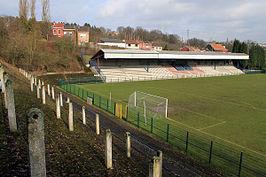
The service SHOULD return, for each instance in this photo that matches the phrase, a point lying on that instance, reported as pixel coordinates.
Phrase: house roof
(83, 29)
(59, 25)
(190, 48)
(168, 55)
(133, 42)
(218, 47)
(112, 40)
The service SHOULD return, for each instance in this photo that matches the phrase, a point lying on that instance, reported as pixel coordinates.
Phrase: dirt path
(174, 162)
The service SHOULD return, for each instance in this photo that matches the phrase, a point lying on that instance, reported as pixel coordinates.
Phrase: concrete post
(128, 144)
(36, 143)
(70, 117)
(84, 115)
(2, 71)
(108, 149)
(11, 106)
(35, 81)
(5, 78)
(68, 100)
(43, 95)
(39, 82)
(61, 98)
(53, 93)
(97, 124)
(58, 113)
(154, 170)
(89, 100)
(42, 83)
(160, 155)
(38, 91)
(48, 90)
(31, 84)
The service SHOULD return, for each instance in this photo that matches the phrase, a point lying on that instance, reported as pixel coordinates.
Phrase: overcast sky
(205, 19)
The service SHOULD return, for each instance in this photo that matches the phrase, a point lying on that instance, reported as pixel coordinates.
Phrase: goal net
(148, 105)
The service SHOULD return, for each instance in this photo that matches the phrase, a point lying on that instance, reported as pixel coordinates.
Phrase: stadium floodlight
(148, 104)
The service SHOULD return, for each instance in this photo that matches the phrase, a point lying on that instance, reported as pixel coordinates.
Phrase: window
(59, 31)
(82, 35)
(54, 31)
(136, 45)
(129, 45)
(70, 33)
(65, 33)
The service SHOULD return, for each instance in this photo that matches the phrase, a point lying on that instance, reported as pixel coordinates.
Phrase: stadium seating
(119, 71)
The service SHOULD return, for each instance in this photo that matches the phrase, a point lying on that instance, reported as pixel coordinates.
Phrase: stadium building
(134, 65)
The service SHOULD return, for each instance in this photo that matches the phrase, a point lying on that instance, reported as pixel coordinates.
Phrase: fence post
(68, 100)
(108, 149)
(10, 105)
(70, 90)
(127, 114)
(82, 93)
(53, 93)
(35, 81)
(107, 105)
(93, 98)
(138, 119)
(154, 167)
(43, 95)
(58, 113)
(70, 117)
(167, 134)
(78, 91)
(152, 125)
(210, 157)
(128, 144)
(31, 84)
(87, 94)
(187, 142)
(114, 108)
(100, 101)
(38, 91)
(2, 78)
(240, 164)
(160, 155)
(48, 89)
(84, 115)
(97, 121)
(61, 99)
(36, 142)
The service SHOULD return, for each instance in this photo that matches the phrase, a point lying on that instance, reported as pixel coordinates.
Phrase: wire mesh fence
(232, 159)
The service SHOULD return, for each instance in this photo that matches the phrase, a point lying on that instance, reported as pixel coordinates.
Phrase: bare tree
(23, 8)
(46, 10)
(32, 8)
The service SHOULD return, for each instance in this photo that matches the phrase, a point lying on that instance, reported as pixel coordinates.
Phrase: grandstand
(135, 65)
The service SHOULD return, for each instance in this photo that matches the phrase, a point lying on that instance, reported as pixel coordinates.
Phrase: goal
(148, 105)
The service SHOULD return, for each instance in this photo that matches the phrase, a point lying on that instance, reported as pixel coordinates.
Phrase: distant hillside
(24, 43)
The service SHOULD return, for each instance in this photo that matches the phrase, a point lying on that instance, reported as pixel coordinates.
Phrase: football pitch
(230, 108)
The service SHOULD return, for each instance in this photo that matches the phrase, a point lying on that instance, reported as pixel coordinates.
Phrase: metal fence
(230, 158)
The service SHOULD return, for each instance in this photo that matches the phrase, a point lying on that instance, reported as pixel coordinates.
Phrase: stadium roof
(167, 55)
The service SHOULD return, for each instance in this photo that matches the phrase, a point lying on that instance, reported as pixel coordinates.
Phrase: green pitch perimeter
(229, 108)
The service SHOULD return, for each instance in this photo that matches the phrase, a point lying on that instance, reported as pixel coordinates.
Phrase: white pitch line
(211, 126)
(218, 137)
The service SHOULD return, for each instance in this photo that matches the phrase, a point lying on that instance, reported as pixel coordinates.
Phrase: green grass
(230, 110)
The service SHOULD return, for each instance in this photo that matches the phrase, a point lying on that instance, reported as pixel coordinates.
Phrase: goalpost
(148, 104)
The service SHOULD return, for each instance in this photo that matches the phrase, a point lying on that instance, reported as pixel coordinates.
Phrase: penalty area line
(214, 125)
(230, 142)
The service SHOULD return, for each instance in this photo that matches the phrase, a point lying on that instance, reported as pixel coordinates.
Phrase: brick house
(216, 48)
(83, 35)
(58, 29)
